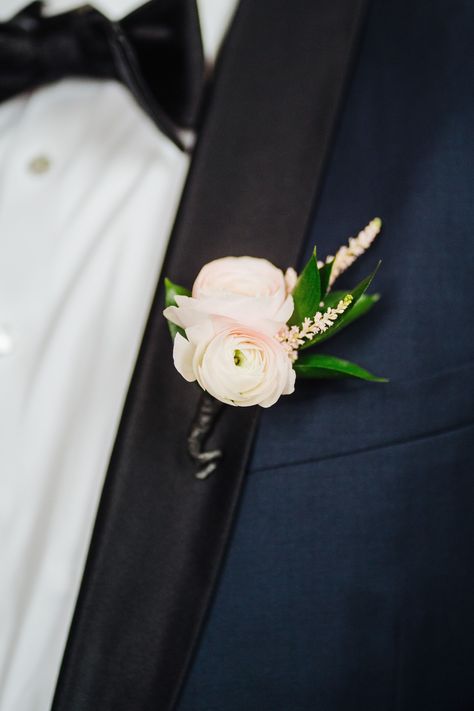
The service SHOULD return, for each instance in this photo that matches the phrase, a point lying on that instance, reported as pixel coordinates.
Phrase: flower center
(238, 358)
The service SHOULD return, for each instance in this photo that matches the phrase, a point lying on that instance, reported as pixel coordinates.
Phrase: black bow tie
(156, 52)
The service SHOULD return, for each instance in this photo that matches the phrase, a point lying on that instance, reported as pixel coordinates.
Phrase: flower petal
(183, 352)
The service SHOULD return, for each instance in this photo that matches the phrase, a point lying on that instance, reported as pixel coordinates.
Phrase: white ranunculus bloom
(235, 364)
(246, 289)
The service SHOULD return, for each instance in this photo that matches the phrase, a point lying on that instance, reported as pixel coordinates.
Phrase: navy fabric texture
(349, 579)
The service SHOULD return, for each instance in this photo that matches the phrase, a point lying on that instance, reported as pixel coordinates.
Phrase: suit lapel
(160, 533)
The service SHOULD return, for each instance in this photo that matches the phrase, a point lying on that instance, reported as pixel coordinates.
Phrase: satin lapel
(160, 533)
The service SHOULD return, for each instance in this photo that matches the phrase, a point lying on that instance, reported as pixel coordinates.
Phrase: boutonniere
(247, 330)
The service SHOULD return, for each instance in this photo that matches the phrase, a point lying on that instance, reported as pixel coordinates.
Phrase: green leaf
(318, 365)
(325, 275)
(356, 294)
(307, 292)
(171, 292)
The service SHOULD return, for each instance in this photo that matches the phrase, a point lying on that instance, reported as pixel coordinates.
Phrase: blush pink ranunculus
(243, 276)
(236, 280)
(235, 364)
(245, 289)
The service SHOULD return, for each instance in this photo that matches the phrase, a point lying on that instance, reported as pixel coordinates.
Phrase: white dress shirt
(88, 193)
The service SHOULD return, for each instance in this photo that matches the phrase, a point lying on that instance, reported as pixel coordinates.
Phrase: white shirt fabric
(88, 193)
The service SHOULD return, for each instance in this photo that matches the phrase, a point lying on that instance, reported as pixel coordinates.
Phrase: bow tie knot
(156, 52)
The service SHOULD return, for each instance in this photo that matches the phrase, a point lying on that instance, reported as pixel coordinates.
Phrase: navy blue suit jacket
(349, 581)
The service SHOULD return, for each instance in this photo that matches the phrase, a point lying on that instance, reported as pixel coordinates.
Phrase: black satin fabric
(161, 534)
(156, 52)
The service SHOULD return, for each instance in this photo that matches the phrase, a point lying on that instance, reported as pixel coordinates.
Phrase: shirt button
(6, 341)
(39, 165)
